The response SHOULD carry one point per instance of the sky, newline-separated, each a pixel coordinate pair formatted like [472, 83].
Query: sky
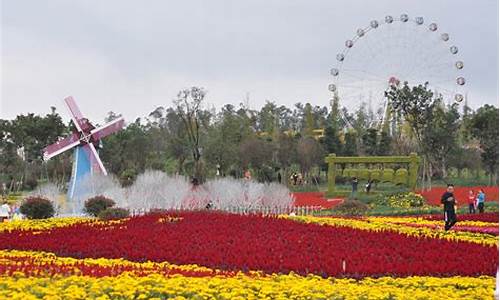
[133, 56]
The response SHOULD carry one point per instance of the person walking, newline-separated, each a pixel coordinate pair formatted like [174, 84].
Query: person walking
[4, 212]
[354, 184]
[369, 186]
[480, 200]
[448, 200]
[472, 202]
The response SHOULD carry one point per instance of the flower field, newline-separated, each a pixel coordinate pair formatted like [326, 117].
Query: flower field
[211, 255]
[433, 196]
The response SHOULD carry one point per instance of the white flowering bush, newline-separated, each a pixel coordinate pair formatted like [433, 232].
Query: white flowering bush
[157, 190]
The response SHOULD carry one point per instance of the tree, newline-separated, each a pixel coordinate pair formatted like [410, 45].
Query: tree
[350, 146]
[438, 141]
[224, 137]
[484, 127]
[384, 144]
[415, 106]
[257, 154]
[331, 141]
[370, 142]
[188, 105]
[309, 120]
[309, 154]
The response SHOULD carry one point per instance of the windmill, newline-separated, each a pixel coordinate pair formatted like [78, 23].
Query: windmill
[84, 139]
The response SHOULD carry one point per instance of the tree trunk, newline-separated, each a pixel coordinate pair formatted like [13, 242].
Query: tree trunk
[429, 177]
[423, 174]
[443, 168]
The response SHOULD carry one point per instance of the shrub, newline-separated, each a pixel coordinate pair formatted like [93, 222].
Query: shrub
[113, 213]
[401, 200]
[351, 207]
[37, 208]
[94, 206]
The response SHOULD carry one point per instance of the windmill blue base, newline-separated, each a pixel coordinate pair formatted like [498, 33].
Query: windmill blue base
[81, 168]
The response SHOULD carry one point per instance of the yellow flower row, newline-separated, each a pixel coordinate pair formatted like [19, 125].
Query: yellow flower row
[50, 223]
[422, 221]
[380, 224]
[154, 286]
[46, 263]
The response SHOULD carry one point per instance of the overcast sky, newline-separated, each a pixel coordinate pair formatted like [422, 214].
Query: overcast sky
[132, 56]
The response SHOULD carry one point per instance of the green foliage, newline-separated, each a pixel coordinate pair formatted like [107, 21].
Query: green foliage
[37, 208]
[350, 146]
[484, 127]
[401, 176]
[400, 200]
[370, 142]
[114, 213]
[94, 206]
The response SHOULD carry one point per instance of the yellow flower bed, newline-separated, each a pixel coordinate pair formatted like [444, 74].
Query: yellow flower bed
[379, 224]
[46, 261]
[127, 286]
[422, 221]
[42, 224]
[50, 223]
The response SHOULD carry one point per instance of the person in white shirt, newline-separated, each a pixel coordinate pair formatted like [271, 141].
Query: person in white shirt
[4, 212]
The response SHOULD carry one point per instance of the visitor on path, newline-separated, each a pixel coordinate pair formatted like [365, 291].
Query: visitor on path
[472, 202]
[449, 202]
[247, 175]
[279, 177]
[480, 200]
[369, 186]
[354, 184]
[4, 212]
[295, 178]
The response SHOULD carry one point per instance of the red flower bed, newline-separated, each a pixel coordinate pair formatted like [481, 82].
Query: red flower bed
[314, 199]
[234, 242]
[433, 196]
[491, 217]
[493, 230]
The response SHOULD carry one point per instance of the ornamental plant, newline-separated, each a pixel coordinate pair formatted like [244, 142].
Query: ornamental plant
[95, 205]
[113, 213]
[401, 200]
[351, 207]
[37, 208]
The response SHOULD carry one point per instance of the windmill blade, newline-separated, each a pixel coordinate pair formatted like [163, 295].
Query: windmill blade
[75, 113]
[94, 159]
[107, 129]
[61, 146]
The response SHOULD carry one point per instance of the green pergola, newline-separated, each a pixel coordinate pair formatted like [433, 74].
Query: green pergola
[407, 176]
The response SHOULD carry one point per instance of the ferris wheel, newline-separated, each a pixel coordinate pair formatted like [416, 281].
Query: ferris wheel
[392, 51]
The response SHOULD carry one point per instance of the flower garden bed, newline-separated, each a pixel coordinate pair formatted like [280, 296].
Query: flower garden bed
[433, 196]
[225, 256]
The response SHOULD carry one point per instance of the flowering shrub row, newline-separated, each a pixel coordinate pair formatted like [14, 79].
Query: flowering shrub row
[127, 286]
[273, 245]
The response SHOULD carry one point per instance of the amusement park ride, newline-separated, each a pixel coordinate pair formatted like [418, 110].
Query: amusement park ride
[84, 139]
[393, 51]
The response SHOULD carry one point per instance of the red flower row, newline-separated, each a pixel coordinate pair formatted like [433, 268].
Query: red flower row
[491, 217]
[493, 230]
[461, 193]
[234, 242]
